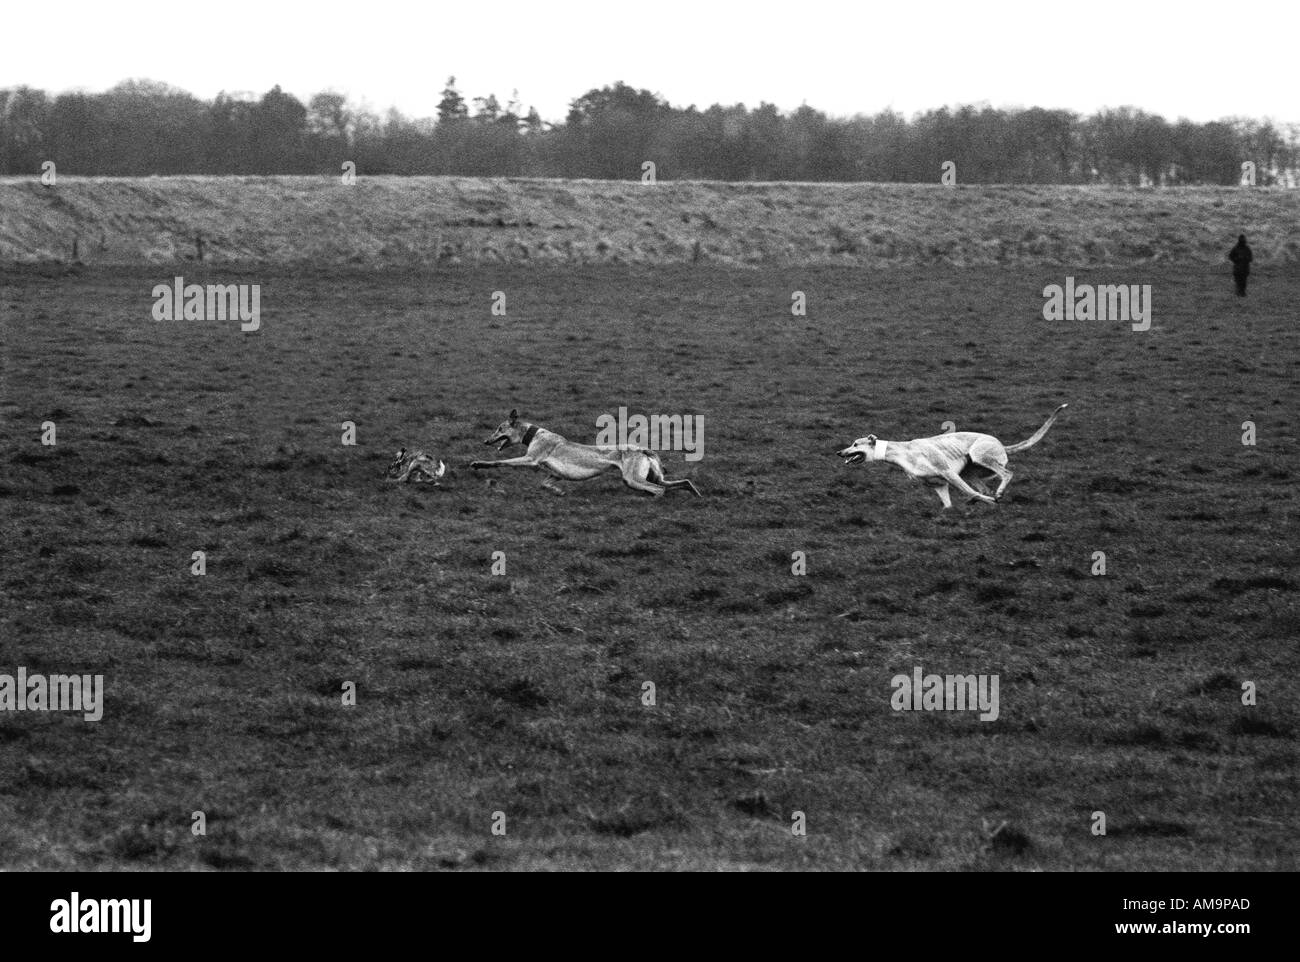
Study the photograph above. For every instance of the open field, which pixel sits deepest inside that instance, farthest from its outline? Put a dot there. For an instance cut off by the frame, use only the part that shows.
(521, 693)
(314, 222)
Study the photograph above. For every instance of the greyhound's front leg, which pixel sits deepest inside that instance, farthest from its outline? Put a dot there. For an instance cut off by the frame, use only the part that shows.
(520, 462)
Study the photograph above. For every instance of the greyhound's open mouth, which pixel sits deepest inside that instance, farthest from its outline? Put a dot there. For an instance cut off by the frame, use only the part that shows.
(854, 457)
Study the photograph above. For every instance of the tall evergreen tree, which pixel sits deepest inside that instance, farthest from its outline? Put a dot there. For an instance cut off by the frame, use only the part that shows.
(451, 108)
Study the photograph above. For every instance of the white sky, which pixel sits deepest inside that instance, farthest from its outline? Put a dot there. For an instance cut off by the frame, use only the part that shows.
(1188, 58)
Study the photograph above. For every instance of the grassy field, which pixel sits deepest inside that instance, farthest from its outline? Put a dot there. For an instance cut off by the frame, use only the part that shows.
(522, 693)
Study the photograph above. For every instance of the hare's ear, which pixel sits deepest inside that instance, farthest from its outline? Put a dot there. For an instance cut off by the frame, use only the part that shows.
(514, 415)
(401, 452)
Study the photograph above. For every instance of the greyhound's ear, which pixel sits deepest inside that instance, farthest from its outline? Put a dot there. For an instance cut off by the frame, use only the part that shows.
(514, 415)
(871, 439)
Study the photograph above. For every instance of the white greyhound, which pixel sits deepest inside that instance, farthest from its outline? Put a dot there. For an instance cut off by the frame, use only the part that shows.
(960, 459)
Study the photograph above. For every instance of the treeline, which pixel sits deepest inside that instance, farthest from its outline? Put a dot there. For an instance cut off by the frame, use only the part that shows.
(140, 128)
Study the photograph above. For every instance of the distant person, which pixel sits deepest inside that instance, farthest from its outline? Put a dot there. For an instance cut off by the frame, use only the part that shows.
(1240, 257)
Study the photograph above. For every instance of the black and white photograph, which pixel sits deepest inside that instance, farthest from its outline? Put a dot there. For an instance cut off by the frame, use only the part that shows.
(650, 437)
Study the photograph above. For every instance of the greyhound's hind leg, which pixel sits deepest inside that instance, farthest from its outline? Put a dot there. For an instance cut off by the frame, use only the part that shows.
(992, 457)
(682, 482)
(975, 477)
(640, 474)
(652, 471)
(1000, 471)
(654, 489)
(960, 484)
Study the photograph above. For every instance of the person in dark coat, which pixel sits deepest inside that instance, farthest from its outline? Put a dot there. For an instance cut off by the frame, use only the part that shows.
(1240, 257)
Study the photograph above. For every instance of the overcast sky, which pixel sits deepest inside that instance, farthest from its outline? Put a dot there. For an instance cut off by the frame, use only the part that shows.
(1188, 59)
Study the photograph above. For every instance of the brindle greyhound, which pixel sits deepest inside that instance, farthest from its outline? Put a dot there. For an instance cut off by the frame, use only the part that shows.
(949, 459)
(565, 459)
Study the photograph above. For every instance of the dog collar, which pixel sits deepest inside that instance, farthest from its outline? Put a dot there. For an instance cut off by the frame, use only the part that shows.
(531, 433)
(880, 449)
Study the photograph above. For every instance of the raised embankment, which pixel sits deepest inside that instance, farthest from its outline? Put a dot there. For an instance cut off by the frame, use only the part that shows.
(395, 221)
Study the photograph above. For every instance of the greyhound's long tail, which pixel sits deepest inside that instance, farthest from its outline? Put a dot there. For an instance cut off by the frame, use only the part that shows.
(1038, 435)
